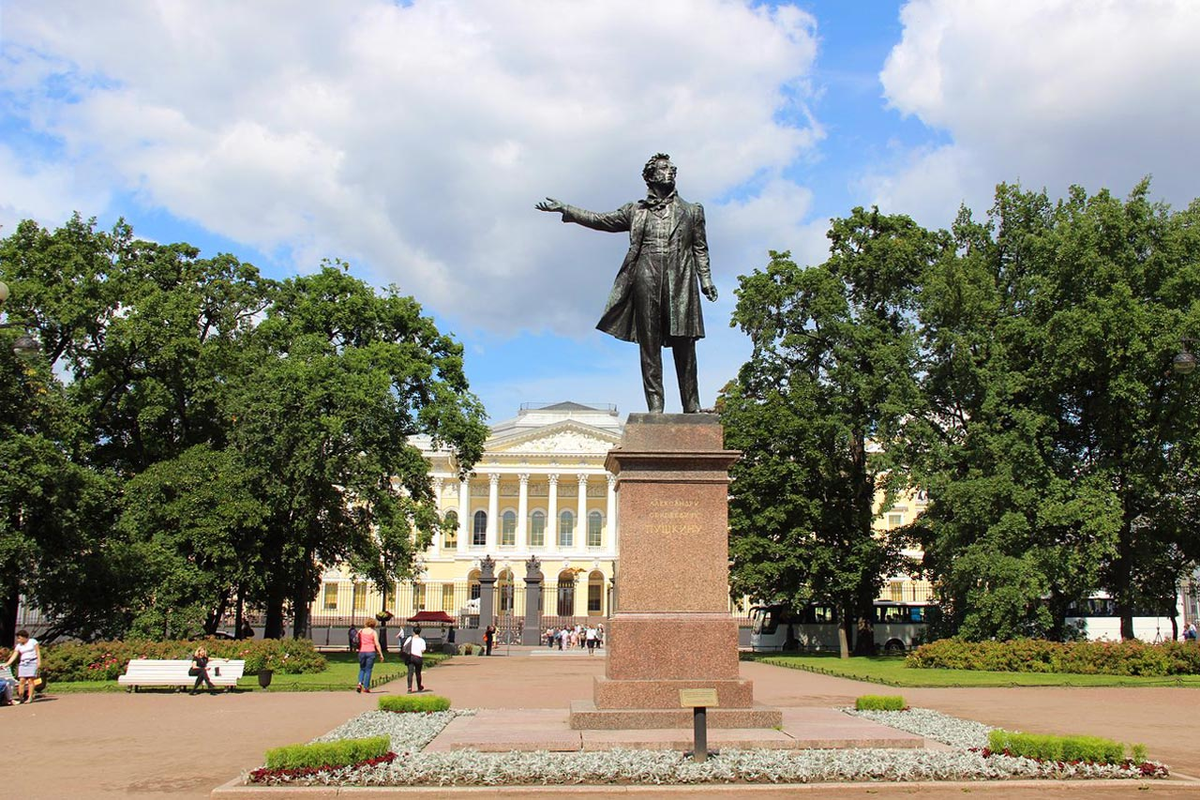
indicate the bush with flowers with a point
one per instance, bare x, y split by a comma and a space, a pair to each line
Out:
1130, 657
94, 661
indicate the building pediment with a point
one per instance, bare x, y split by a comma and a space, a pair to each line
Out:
565, 437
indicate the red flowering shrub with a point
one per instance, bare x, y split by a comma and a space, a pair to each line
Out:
78, 661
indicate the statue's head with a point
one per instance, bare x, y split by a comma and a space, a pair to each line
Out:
659, 170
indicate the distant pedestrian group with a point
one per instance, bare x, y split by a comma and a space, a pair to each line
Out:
575, 637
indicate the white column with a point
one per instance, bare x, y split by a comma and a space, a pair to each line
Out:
552, 512
464, 514
436, 549
493, 510
610, 524
523, 512
581, 514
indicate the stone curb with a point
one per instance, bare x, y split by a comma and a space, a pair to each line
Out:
234, 790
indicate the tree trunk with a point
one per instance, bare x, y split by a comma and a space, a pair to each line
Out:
9, 600
273, 624
300, 615
1122, 590
864, 641
844, 637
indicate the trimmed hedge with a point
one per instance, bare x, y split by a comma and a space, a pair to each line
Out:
327, 754
1042, 747
880, 702
419, 703
96, 661
1037, 655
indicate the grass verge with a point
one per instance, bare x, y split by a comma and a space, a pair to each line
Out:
890, 671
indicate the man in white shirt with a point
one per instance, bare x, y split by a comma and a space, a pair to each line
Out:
415, 647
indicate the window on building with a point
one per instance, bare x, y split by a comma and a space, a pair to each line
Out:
566, 529
391, 600
566, 593
595, 525
450, 530
479, 529
448, 598
895, 520
595, 592
537, 529
508, 529
360, 597
331, 595
473, 585
418, 592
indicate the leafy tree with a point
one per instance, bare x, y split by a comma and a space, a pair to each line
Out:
817, 413
246, 432
343, 378
1057, 448
194, 524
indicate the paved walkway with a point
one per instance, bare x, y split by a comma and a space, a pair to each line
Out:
159, 744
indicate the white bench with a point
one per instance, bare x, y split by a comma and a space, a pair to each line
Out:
163, 672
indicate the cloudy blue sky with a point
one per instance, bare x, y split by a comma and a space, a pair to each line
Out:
413, 139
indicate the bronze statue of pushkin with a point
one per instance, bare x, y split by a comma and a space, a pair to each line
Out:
655, 298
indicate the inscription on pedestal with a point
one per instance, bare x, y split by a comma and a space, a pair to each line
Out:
673, 517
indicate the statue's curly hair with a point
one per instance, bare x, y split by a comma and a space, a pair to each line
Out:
649, 168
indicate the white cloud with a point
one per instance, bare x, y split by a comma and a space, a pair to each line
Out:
1045, 92
414, 140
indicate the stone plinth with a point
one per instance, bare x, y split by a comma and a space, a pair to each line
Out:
672, 629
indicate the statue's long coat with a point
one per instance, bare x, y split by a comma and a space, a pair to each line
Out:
686, 263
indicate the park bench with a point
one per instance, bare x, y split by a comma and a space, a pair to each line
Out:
164, 672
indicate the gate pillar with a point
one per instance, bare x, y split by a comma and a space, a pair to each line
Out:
487, 593
531, 632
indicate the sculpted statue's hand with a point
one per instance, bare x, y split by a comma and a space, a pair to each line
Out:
550, 204
710, 290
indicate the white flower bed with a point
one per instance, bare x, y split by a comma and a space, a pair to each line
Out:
411, 732
932, 725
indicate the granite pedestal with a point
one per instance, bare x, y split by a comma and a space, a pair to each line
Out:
672, 629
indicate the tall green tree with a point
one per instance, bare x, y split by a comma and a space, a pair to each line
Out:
1057, 447
343, 378
216, 437
817, 412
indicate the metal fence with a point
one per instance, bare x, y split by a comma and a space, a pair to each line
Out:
558, 605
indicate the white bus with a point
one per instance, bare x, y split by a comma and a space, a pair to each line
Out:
1097, 619
898, 627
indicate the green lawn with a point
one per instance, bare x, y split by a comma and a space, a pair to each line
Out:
341, 674
892, 672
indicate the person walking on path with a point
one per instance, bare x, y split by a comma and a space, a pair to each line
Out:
199, 670
590, 637
28, 655
489, 638
415, 647
368, 649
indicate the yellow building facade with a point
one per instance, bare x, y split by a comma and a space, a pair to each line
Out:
539, 491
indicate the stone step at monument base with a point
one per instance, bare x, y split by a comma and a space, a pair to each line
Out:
585, 716
664, 693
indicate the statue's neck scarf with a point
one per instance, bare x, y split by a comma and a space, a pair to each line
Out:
653, 201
